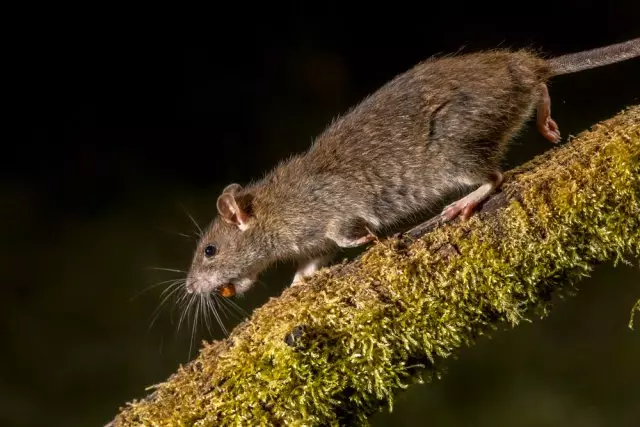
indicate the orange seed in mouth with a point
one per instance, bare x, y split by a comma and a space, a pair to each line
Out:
227, 290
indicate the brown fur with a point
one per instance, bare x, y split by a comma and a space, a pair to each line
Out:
443, 124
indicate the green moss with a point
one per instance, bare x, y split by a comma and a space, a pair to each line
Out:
335, 350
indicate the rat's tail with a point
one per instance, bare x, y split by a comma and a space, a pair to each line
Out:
593, 58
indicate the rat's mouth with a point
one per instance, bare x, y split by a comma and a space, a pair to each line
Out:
235, 286
227, 290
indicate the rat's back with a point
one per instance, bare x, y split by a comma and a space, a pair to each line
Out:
442, 124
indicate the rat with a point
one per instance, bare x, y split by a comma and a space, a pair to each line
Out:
442, 126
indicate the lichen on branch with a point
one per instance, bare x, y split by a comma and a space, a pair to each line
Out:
339, 347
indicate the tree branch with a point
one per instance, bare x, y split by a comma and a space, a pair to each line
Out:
337, 348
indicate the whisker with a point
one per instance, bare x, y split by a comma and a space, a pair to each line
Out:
231, 313
182, 298
205, 312
181, 305
171, 280
212, 301
156, 312
222, 307
176, 283
193, 221
148, 288
194, 324
172, 270
189, 302
176, 233
235, 306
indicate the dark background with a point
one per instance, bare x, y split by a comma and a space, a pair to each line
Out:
122, 119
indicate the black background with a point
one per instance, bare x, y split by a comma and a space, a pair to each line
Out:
121, 119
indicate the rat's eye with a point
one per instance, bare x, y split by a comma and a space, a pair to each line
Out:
210, 251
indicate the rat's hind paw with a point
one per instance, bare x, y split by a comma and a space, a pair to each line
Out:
549, 129
546, 125
465, 206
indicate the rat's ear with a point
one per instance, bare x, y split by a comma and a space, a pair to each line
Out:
234, 209
232, 188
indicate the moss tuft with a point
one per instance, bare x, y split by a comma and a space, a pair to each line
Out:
335, 350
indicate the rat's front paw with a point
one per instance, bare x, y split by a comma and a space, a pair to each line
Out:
354, 242
309, 267
297, 280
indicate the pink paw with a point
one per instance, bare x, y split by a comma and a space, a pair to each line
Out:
460, 208
365, 239
549, 129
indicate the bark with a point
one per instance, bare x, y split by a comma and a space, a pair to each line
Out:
336, 349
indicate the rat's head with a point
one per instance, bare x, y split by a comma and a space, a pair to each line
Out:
229, 255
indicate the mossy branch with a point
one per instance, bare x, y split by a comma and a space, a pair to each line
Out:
336, 349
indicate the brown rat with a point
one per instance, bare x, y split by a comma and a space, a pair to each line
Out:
443, 125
